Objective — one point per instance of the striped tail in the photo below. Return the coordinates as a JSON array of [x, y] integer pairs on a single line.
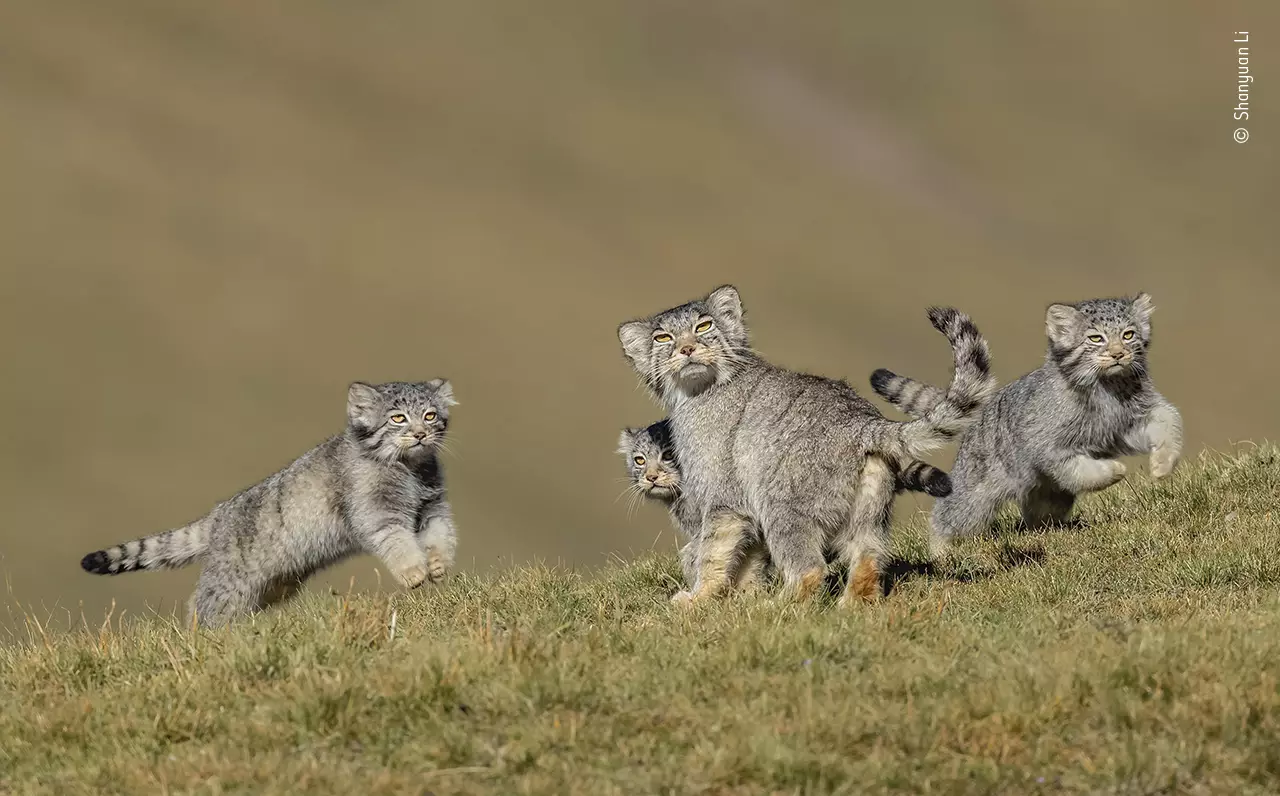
[[921, 477], [972, 385], [912, 397], [166, 550]]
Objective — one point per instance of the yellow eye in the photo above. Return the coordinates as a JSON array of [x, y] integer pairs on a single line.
[[429, 416], [398, 418], [1095, 338], [702, 327], [662, 337], [1128, 335], [640, 461]]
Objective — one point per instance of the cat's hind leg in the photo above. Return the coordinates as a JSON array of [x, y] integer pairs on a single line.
[[1046, 505], [968, 509], [223, 594], [865, 540], [796, 545]]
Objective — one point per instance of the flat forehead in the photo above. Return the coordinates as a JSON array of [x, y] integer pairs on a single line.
[[1107, 310], [679, 316], [402, 392], [643, 442]]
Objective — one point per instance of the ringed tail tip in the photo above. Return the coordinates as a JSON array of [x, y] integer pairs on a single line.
[[96, 563]]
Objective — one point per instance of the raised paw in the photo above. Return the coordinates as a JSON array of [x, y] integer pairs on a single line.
[[1118, 472], [436, 569], [1163, 461], [682, 597], [412, 577]]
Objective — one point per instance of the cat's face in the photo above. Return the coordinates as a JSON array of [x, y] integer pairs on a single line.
[[1100, 338], [689, 348], [399, 420], [651, 462]]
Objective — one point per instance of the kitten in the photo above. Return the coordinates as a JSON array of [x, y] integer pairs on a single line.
[[1054, 433], [655, 474], [806, 458], [376, 488]]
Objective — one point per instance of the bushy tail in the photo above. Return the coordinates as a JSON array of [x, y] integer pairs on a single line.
[[911, 396], [941, 416], [167, 550], [921, 477]]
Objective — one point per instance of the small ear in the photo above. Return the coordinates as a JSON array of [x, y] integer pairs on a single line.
[[636, 338], [443, 390], [1060, 321], [1142, 306], [725, 302], [625, 439], [361, 398]]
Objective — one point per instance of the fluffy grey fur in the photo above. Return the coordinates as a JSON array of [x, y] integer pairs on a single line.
[[809, 461], [654, 473], [376, 488], [1054, 433]]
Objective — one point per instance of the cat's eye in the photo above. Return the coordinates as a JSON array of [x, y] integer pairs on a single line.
[[1128, 335], [429, 416], [398, 418], [639, 460], [662, 337], [1096, 338], [703, 327]]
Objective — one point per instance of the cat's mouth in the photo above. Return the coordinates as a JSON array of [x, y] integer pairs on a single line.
[[660, 492]]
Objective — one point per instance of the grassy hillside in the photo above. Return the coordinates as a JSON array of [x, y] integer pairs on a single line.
[[215, 215], [1137, 654]]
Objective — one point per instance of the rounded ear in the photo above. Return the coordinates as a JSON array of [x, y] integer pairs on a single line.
[[1060, 322], [636, 339], [725, 302], [444, 391], [1142, 306], [625, 439], [361, 399]]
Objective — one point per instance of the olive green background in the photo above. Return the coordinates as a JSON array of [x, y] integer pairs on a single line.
[[215, 215]]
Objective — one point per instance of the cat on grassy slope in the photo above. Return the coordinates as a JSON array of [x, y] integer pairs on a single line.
[[654, 472], [808, 460], [376, 488], [1054, 433]]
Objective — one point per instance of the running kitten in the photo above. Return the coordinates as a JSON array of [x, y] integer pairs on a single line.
[[655, 474], [1053, 434], [376, 488], [806, 458]]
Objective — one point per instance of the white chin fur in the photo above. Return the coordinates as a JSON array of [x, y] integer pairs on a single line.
[[694, 378]]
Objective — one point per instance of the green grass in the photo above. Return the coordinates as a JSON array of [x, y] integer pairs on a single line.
[[1139, 654]]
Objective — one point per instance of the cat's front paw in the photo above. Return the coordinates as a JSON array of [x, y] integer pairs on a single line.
[[1117, 474], [682, 597], [413, 576], [1163, 460], [436, 568]]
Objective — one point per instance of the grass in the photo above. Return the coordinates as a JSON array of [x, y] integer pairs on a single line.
[[1139, 653]]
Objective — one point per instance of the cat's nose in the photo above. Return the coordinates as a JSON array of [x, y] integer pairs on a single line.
[[420, 434], [687, 350], [652, 478]]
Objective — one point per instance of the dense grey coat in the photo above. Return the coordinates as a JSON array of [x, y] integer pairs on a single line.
[[654, 472], [376, 488], [1054, 433], [809, 461]]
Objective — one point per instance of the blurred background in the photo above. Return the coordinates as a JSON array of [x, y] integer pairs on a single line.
[[213, 216]]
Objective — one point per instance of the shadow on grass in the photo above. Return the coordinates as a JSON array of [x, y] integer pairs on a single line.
[[1008, 556]]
